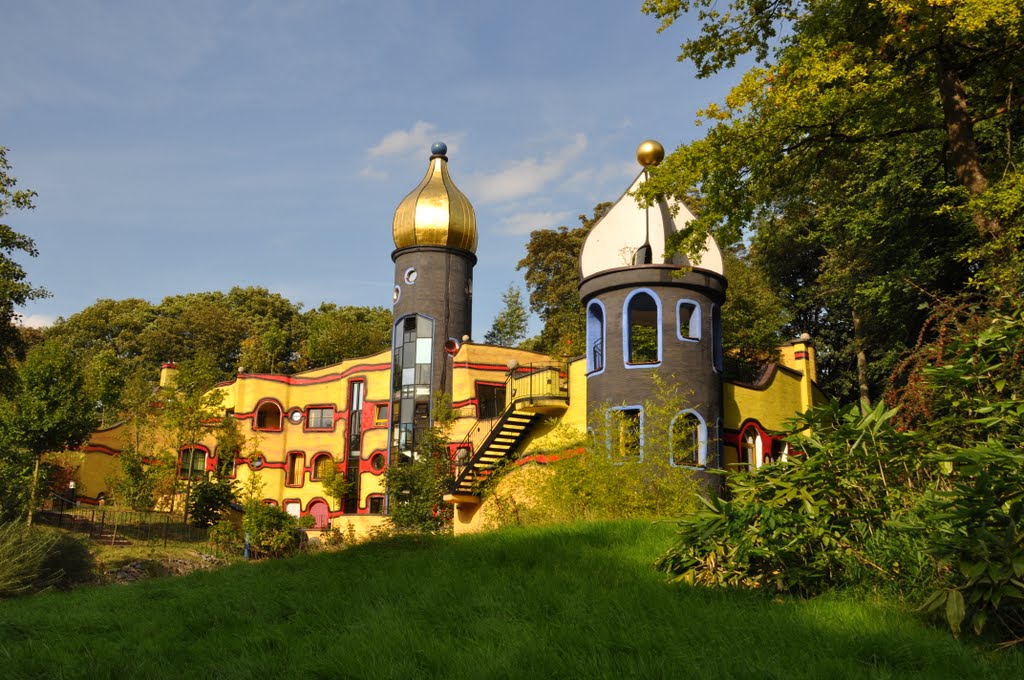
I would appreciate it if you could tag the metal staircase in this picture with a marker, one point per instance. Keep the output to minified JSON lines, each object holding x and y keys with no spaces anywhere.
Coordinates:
{"x":533,"y":392}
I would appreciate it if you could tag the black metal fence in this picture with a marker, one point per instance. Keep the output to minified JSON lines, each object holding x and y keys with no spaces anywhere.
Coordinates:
{"x":121,"y":526}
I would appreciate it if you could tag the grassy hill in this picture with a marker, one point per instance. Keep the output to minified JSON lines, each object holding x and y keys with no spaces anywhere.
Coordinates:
{"x":568,"y":601}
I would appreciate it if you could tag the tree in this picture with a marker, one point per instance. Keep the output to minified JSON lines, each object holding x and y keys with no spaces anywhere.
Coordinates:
{"x":754,"y":315}
{"x":552,"y":278}
{"x":850,"y":136}
{"x":416,"y":488}
{"x":15,"y":290}
{"x":509,"y":326}
{"x":336,"y":333}
{"x":51,"y":411}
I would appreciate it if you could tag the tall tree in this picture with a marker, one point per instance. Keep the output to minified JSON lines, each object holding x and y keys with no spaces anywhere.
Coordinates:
{"x":509,"y":327}
{"x":552,"y":278}
{"x":856,"y":134}
{"x":50,"y":412}
{"x":335,"y":333}
{"x":15,"y":290}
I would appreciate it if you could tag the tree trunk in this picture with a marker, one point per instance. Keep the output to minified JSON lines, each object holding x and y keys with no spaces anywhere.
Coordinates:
{"x":963,"y":147}
{"x":862,"y":362}
{"x":32,"y":491}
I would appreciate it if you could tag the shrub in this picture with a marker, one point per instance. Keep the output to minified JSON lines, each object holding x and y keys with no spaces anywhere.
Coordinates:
{"x":815,"y":521}
{"x":226,"y":536}
{"x":67,"y":562}
{"x":22,"y":552}
{"x":208,"y":499}
{"x":271,"y":531}
{"x":32,"y":559}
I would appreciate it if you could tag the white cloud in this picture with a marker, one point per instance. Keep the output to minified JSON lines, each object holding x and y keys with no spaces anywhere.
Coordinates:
{"x":525,"y":222}
{"x":609,"y":174}
{"x":372,"y":173}
{"x":528,"y":176}
{"x":398,"y":142}
{"x":37,"y":320}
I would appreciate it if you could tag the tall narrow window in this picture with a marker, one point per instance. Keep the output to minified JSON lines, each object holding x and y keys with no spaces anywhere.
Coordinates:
{"x":688,"y":320}
{"x":642,"y":330}
{"x":626,"y":433}
{"x":595,"y":337}
{"x":410,"y":385}
{"x":689,"y":440}
{"x":716,"y":336}
{"x":293,"y":469}
{"x":355,"y":438}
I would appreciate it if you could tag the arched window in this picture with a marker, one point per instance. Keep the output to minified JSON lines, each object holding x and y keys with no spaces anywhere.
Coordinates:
{"x":641,"y":341}
{"x":322,"y":463}
{"x":688,"y":444}
{"x":751,"y":448}
{"x":268,"y":416}
{"x":688,"y":320}
{"x":595,"y":337}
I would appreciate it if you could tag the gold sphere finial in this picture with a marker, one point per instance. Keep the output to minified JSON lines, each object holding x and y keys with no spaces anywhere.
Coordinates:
{"x":650,"y":153}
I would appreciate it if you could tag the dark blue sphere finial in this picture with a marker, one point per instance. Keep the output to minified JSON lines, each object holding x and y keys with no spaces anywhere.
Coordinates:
{"x":439,"y":149}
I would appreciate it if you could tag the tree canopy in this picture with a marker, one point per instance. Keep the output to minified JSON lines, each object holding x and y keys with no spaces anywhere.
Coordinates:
{"x":15,"y":290}
{"x":870,"y":158}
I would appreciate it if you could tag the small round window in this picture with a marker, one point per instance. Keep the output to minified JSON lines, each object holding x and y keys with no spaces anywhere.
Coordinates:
{"x":256,"y":462}
{"x":295,"y":416}
{"x":397,"y":294}
{"x":377,"y":462}
{"x":410,"y":275}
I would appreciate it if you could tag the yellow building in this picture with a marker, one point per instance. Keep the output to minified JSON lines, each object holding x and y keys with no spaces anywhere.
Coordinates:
{"x":649,"y":315}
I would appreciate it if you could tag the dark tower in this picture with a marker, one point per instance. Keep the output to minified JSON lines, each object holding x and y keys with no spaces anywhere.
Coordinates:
{"x":650,"y":315}
{"x":435,"y":244}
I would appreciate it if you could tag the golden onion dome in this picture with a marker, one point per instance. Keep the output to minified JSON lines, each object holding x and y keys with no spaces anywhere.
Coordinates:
{"x":436,"y":213}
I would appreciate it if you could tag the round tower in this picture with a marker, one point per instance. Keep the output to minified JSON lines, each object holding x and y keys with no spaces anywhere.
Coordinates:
{"x":435,"y":244}
{"x":650,"y":315}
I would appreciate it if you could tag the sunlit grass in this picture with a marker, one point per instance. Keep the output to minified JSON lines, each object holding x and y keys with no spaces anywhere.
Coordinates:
{"x":569,"y":601}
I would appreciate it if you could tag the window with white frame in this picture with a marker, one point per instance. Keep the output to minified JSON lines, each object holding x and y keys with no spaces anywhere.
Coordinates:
{"x":688,"y":320}
{"x":642,"y":329}
{"x":688,"y":443}
{"x":625,"y":433}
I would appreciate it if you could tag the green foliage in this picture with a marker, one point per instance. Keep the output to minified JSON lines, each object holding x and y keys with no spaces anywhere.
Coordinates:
{"x":805,"y":525}
{"x":416,"y":488}
{"x":976,"y":527}
{"x":604,"y":476}
{"x":32,"y":559}
{"x":15,"y":290}
{"x":133,"y":484}
{"x":335,"y":333}
{"x":49,"y":413}
{"x":510,"y":325}
{"x":336,"y":483}
{"x":226,"y":536}
{"x":872,"y":155}
{"x":208,"y":499}
{"x":22,"y":551}
{"x":754,"y":314}
{"x":552,"y":279}
{"x":271,"y":531}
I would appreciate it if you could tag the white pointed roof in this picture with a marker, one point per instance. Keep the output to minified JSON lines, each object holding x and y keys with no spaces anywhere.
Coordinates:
{"x":612,"y":242}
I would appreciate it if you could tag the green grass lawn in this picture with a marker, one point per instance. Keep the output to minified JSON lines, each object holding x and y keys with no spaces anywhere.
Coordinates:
{"x":568,"y":601}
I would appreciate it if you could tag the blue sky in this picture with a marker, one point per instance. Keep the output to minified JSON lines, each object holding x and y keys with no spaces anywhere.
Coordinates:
{"x":189,"y":146}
